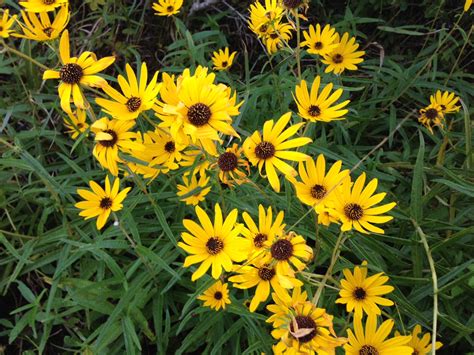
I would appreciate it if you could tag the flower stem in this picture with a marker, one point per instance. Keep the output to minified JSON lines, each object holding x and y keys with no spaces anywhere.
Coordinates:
{"x":297,"y":49}
{"x":23,"y":55}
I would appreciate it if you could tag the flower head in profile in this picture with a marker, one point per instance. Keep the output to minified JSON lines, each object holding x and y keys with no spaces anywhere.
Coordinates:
{"x":38,"y":27}
{"x":216,"y":296}
{"x":215,"y":244}
{"x":167,"y":7}
{"x":137,"y":95}
{"x":194,"y":190}
{"x":6,"y":23}
{"x":77,"y":123}
{"x":99,"y":202}
{"x":277,"y":35}
{"x":319,"y":41}
{"x":222,"y":60}
{"x":319,"y":106}
{"x":233,"y":169}
{"x":423,"y":345}
{"x":268,"y":150}
{"x":446,"y":101}
{"x":431,"y":116}
{"x":373,"y":340}
{"x":76,"y":71}
{"x":344,"y":57}
{"x":362,"y":294}
{"x":42,"y":5}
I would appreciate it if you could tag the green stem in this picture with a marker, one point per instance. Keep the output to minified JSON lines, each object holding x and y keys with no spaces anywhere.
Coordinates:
{"x":24,"y":56}
{"x":298,"y":49}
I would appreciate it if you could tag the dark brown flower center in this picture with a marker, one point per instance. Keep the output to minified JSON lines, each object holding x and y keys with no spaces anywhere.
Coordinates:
{"x":359,"y":293}
{"x":218,"y":295}
{"x":318,"y":191}
{"x":170,"y":8}
{"x":71,"y":73}
{"x":263,"y":28}
{"x":314,"y":110}
{"x":415,"y":352}
{"x":304,"y":322}
{"x":368,"y":350}
{"x":338,"y":58}
{"x":105,"y":203}
{"x":353,"y":211}
{"x":282,"y":249}
{"x":318,"y":45}
{"x":214,"y":245}
{"x":49,"y":2}
{"x":224,"y":63}
{"x":133,"y":104}
{"x":199,"y":114}
{"x":259,"y":239}
{"x":431,"y":113}
{"x":227,"y":161}
{"x":266,"y":273}
{"x":170,"y":147}
{"x":274,"y":35}
{"x":48,"y":30}
{"x":265,"y":150}
{"x":443,"y":107}
{"x":292,"y":4}
{"x":111,"y":142}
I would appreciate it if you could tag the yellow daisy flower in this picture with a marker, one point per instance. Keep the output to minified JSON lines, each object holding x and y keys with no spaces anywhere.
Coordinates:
{"x":216,"y":296}
{"x":137,"y":95}
{"x":277,"y":34}
{"x":99,"y":202}
{"x":217,"y":245}
{"x":193,"y":191}
{"x":421,"y":346}
{"x":262,"y":17}
{"x":167,"y":7}
{"x":222,"y":60}
{"x":344,"y":56}
{"x":75,"y":72}
{"x":374,"y":340}
{"x":42,"y":5}
{"x":6,"y":23}
{"x":112,"y":136}
{"x":319,"y":41}
{"x":467,"y":5}
{"x":317,"y":106}
{"x":268,"y":150}
{"x":446,"y":100}
{"x":229,"y":165}
{"x":432,"y":115}
{"x":355,"y":206}
{"x":363,"y":294}
{"x":77,"y":123}
{"x":40,"y":28}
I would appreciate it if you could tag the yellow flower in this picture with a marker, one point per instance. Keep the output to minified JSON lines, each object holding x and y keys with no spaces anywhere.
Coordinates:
{"x":316,"y":106}
{"x":277,"y":34}
{"x":229,"y":164}
{"x":137,"y":95}
{"x":99,"y":202}
{"x":364,"y":294}
{"x":216,"y":296}
{"x":112,"y":136}
{"x":269,"y":149}
{"x":42,"y":5}
{"x":167,"y":7}
{"x":320,"y":42}
{"x":76,"y":71}
{"x":222,"y":60}
{"x":215,"y":244}
{"x":432,"y":115}
{"x":194,"y":191}
{"x":262,"y":17}
{"x":421,"y":346}
{"x":467,"y":5}
{"x":355,"y":206}
{"x":446,"y":100}
{"x":344,"y":56}
{"x":77,"y":123}
{"x":40,"y":28}
{"x":6,"y":23}
{"x":374,"y":340}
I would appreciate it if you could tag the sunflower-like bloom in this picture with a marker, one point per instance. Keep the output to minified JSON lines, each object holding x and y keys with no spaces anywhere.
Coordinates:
{"x":232,"y":168}
{"x":362,"y":294}
{"x":319,"y":41}
{"x":374,"y":340}
{"x":446,"y":100}
{"x":222,"y":60}
{"x":301,"y":327}
{"x":344,"y":56}
{"x":217,"y":245}
{"x":262,"y":17}
{"x":42,"y":5}
{"x":137,"y":95}
{"x":167,"y":7}
{"x":467,"y":5}
{"x":194,"y":191}
{"x":75,"y":72}
{"x":268,"y":150}
{"x":355,"y":206}
{"x":421,"y":346}
{"x":432,"y":115}
{"x":99,"y":202}
{"x":40,"y":28}
{"x":216,"y":296}
{"x":264,"y":277}
{"x":6,"y":23}
{"x":267,"y":229}
{"x":76,"y":123}
{"x":112,"y":136}
{"x":317,"y":106}
{"x":277,"y":35}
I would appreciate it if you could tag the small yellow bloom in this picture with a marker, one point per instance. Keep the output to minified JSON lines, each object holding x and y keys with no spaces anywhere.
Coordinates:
{"x":446,"y":100}
{"x":319,"y":41}
{"x":229,"y":165}
{"x":421,"y":346}
{"x":216,"y":296}
{"x":99,"y":202}
{"x":6,"y":23}
{"x":432,"y":115}
{"x":167,"y":7}
{"x":222,"y":60}
{"x":277,"y":35}
{"x":38,"y":27}
{"x":344,"y":56}
{"x":77,"y":123}
{"x":194,"y":191}
{"x":42,"y":5}
{"x":262,"y":17}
